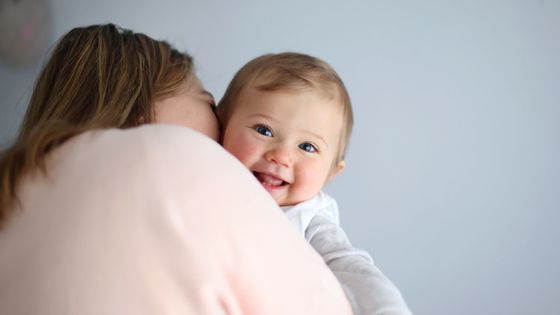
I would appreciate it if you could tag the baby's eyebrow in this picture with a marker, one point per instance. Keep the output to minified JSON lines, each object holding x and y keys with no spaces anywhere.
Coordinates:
{"x":259,"y":115}
{"x":318,"y":137}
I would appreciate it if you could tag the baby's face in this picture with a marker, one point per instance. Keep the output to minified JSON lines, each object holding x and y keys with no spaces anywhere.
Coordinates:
{"x":289,"y":140}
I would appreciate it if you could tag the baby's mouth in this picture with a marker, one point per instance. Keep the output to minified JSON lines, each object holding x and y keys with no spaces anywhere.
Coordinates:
{"x":269,"y":180}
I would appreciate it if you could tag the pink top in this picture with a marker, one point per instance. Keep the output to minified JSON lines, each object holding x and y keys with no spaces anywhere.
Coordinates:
{"x":155,"y":220}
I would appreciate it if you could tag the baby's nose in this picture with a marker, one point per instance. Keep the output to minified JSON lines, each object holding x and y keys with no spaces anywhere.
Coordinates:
{"x":279,"y":155}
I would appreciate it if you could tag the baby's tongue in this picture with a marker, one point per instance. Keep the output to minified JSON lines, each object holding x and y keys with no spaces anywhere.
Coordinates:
{"x":269,"y":179}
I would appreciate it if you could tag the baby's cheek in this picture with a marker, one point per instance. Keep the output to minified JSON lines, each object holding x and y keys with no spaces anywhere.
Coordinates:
{"x":243,"y":150}
{"x":311,"y":179}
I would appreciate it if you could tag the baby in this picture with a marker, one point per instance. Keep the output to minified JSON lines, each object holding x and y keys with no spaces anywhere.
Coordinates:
{"x":288,"y":118}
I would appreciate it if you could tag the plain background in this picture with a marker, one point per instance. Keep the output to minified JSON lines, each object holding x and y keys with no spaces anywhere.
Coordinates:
{"x":453,"y":175}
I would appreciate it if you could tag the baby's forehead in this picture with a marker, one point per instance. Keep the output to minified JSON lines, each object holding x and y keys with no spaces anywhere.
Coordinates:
{"x":276,"y":97}
{"x":271,"y":81}
{"x":329,"y":94}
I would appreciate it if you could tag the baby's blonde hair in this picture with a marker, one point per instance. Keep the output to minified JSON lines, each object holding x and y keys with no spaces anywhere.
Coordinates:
{"x":290,"y":71}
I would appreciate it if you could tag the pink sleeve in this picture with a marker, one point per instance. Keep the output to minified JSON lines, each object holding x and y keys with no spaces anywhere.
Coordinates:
{"x":156,"y":220}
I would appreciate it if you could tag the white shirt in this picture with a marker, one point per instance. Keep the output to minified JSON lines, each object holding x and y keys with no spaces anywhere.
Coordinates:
{"x":301,"y":214}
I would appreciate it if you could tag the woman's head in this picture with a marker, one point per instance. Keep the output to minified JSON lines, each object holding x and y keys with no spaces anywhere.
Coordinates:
{"x":103,"y":76}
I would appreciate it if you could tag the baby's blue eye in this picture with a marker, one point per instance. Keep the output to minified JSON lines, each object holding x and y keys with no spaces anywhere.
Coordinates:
{"x":308,"y":147}
{"x":265,"y":131}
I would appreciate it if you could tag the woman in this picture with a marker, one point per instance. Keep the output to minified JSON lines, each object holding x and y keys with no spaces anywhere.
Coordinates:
{"x":104,"y":212}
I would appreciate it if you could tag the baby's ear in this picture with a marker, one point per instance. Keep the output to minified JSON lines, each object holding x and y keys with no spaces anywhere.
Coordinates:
{"x":337,"y":169}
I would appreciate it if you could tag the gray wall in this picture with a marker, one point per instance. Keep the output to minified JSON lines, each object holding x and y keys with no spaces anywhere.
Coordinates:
{"x":453,"y":177}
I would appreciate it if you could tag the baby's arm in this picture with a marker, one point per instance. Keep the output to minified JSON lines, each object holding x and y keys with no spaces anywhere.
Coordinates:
{"x":370,"y":292}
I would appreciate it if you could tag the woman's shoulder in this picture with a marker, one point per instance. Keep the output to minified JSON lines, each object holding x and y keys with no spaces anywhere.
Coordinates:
{"x":140,"y":170}
{"x":145,"y":139}
{"x":152,"y":145}
{"x":149,"y":157}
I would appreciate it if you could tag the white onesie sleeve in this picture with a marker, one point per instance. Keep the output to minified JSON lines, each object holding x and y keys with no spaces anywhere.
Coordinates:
{"x":369,"y":291}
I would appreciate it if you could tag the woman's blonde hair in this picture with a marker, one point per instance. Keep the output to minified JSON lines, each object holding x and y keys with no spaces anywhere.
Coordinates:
{"x":100,"y":76}
{"x":289,"y":71}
